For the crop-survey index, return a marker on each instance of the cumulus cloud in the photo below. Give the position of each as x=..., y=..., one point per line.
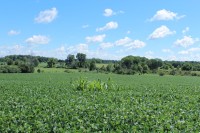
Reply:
x=13, y=32
x=165, y=15
x=106, y=45
x=123, y=41
x=129, y=43
x=80, y=48
x=98, y=38
x=183, y=52
x=186, y=41
x=149, y=54
x=12, y=50
x=136, y=44
x=46, y=16
x=108, y=26
x=37, y=39
x=108, y=12
x=161, y=32
x=189, y=51
x=185, y=30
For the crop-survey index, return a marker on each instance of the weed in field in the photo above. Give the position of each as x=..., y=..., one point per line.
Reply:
x=84, y=84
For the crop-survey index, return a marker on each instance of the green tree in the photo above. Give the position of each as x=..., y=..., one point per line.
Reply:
x=81, y=59
x=9, y=61
x=51, y=62
x=109, y=68
x=70, y=60
x=26, y=68
x=92, y=65
x=186, y=67
x=35, y=62
x=153, y=64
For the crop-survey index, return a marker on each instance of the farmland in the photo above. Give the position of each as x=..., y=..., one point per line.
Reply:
x=47, y=102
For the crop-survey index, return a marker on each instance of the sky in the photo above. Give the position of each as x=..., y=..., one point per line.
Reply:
x=105, y=29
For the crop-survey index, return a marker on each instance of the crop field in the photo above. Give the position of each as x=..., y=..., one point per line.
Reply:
x=47, y=102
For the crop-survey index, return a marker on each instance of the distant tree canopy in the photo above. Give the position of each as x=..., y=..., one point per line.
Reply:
x=127, y=65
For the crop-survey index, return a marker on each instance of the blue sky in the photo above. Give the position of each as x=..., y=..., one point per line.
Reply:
x=106, y=29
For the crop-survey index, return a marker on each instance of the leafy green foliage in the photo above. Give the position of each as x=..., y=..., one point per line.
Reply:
x=46, y=103
x=51, y=62
x=26, y=68
x=96, y=85
x=9, y=69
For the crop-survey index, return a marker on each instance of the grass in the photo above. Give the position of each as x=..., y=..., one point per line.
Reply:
x=46, y=102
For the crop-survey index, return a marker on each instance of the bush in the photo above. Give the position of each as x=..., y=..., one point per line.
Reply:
x=194, y=74
x=9, y=69
x=172, y=72
x=38, y=70
x=67, y=71
x=96, y=85
x=26, y=68
x=161, y=73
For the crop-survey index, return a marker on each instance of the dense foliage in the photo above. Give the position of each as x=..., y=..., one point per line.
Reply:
x=127, y=65
x=146, y=103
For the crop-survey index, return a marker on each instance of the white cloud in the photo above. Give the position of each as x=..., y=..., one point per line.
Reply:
x=98, y=38
x=108, y=26
x=186, y=41
x=166, y=50
x=37, y=39
x=106, y=45
x=161, y=32
x=46, y=16
x=189, y=51
x=149, y=54
x=165, y=15
x=123, y=41
x=80, y=48
x=13, y=32
x=185, y=30
x=85, y=26
x=61, y=49
x=12, y=50
x=131, y=44
x=136, y=44
x=108, y=12
x=183, y=52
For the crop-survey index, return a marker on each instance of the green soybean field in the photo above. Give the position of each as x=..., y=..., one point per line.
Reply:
x=48, y=102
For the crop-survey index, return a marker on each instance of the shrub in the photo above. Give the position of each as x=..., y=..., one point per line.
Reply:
x=67, y=71
x=38, y=70
x=194, y=74
x=172, y=72
x=161, y=73
x=26, y=68
x=96, y=85
x=9, y=69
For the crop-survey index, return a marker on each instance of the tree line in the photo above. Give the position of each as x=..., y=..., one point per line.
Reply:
x=127, y=65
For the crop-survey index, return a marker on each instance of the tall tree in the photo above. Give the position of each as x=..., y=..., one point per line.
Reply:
x=81, y=59
x=70, y=59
